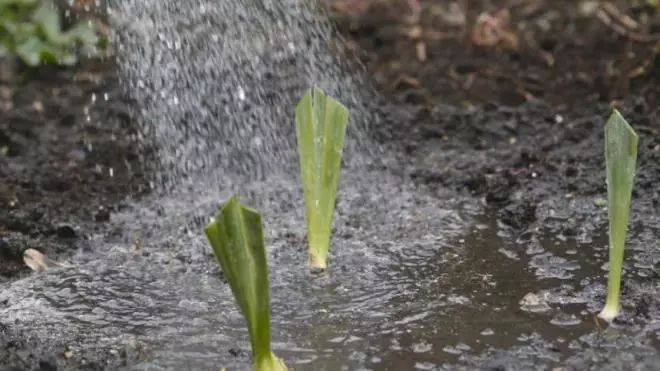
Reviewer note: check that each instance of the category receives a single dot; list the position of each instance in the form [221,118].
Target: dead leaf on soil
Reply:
[451,15]
[492,30]
[37,261]
[623,24]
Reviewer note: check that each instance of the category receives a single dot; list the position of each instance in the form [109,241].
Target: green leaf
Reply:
[48,19]
[21,3]
[30,51]
[620,158]
[31,28]
[84,32]
[236,236]
[321,124]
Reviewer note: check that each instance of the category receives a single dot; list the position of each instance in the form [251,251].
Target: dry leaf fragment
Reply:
[37,261]
[491,30]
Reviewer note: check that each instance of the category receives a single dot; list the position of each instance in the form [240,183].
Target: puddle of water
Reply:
[409,288]
[417,281]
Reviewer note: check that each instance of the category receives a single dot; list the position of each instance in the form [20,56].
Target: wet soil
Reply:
[516,123]
[65,164]
[509,102]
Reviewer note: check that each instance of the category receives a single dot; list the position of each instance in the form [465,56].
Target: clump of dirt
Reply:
[67,158]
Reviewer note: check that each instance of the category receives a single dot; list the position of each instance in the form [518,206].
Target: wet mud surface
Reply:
[517,122]
[64,168]
[515,126]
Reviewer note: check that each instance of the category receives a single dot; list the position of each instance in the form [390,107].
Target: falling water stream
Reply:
[418,277]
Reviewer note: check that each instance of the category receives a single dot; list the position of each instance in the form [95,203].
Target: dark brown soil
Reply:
[557,53]
[518,121]
[65,163]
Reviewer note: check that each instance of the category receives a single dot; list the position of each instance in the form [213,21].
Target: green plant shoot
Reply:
[237,238]
[321,124]
[620,160]
[32,31]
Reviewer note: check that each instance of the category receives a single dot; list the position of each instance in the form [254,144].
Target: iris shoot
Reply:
[237,238]
[620,160]
[321,123]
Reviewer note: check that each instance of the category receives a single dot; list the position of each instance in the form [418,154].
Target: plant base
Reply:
[317,262]
[269,363]
[608,313]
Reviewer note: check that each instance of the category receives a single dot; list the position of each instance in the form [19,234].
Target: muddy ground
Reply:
[507,108]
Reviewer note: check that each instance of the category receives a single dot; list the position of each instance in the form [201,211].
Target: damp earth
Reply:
[471,227]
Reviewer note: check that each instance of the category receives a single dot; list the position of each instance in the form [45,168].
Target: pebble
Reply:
[5,250]
[534,303]
[66,231]
[102,215]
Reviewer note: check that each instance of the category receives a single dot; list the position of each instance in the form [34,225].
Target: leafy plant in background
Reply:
[32,31]
[237,238]
[320,127]
[620,160]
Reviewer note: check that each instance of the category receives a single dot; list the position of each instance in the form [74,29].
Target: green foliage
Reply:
[32,31]
[320,126]
[620,159]
[237,237]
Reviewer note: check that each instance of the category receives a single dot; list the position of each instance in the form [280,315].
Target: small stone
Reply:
[66,231]
[5,249]
[487,332]
[236,352]
[38,106]
[102,215]
[534,303]
[415,33]
[68,354]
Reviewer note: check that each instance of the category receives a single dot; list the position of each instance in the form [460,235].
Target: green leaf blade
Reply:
[321,123]
[620,158]
[237,238]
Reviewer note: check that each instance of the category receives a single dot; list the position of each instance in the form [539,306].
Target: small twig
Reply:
[597,322]
[622,24]
[404,80]
[416,9]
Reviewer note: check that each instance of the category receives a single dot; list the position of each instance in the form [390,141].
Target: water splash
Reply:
[217,83]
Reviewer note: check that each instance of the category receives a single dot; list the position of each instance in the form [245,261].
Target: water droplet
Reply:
[487,332]
[422,347]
